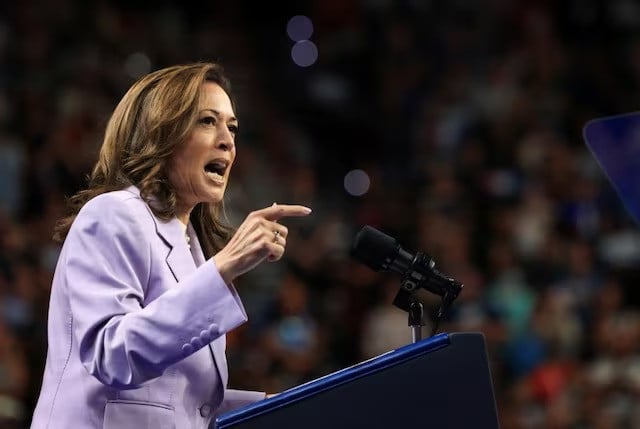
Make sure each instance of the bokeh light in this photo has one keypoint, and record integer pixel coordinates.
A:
(137, 65)
(357, 182)
(304, 53)
(299, 28)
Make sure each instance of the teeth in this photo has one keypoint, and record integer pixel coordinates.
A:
(215, 176)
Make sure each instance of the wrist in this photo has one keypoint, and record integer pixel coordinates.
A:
(223, 268)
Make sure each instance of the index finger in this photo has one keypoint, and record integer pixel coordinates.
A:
(278, 211)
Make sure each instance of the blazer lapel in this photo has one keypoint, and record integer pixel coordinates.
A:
(179, 257)
(171, 232)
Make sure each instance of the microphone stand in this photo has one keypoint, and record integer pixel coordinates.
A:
(406, 300)
(416, 319)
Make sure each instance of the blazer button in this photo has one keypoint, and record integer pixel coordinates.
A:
(205, 336)
(196, 342)
(213, 330)
(187, 349)
(205, 410)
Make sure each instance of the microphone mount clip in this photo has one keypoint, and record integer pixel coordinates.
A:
(416, 278)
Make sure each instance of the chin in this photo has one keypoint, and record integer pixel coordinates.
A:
(214, 197)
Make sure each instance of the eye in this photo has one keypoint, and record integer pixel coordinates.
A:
(208, 120)
(233, 129)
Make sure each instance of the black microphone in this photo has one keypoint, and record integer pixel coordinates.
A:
(381, 252)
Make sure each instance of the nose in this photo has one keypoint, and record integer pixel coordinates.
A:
(225, 139)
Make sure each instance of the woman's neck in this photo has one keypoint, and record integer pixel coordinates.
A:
(183, 213)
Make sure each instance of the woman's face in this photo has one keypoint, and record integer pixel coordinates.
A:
(199, 168)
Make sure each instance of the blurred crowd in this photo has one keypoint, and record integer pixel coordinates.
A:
(467, 118)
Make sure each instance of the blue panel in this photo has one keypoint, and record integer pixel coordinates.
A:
(615, 143)
(335, 379)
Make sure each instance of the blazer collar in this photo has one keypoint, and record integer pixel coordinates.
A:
(172, 232)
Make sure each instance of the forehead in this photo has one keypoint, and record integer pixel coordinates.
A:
(213, 97)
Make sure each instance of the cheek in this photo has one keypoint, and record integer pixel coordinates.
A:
(173, 170)
(233, 158)
(181, 156)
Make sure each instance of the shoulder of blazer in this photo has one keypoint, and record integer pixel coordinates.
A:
(129, 203)
(121, 203)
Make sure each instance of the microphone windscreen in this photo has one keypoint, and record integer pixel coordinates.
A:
(373, 248)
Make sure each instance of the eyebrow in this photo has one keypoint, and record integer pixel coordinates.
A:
(217, 113)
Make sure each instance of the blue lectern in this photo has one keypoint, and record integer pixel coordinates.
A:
(440, 382)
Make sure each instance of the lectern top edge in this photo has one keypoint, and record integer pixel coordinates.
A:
(362, 369)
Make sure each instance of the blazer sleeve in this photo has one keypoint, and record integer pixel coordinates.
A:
(108, 268)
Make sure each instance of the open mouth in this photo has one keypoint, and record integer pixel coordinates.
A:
(216, 169)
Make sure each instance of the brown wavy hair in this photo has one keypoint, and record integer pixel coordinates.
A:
(156, 114)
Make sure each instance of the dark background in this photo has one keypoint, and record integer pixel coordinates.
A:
(467, 118)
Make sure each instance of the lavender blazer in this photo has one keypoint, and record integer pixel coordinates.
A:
(137, 323)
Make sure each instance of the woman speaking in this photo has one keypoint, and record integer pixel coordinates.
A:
(143, 294)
